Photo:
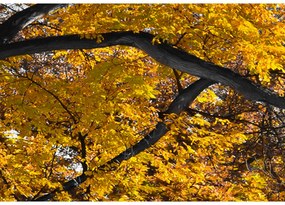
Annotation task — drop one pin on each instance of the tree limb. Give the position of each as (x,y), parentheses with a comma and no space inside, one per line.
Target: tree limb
(180,103)
(163,53)
(177,77)
(20,20)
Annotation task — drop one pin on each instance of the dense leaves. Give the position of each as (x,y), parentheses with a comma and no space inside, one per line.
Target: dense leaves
(104,102)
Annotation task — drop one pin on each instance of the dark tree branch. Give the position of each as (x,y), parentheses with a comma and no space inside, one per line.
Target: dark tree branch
(47,197)
(67,186)
(177,77)
(20,20)
(44,25)
(180,103)
(163,53)
(179,39)
(83,151)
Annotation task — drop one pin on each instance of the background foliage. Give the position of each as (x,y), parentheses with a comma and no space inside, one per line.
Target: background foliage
(62,111)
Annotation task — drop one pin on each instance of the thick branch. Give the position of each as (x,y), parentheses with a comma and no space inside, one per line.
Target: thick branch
(20,20)
(181,103)
(83,151)
(163,53)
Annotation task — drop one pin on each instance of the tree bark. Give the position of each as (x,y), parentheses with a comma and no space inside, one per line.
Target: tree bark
(20,20)
(163,53)
(180,103)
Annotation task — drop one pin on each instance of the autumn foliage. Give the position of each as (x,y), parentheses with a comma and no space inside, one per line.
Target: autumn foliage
(179,102)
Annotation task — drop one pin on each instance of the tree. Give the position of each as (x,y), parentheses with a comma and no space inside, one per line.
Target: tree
(142,102)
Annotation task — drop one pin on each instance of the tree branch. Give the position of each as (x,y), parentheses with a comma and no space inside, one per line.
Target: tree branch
(177,77)
(20,20)
(180,103)
(83,151)
(163,53)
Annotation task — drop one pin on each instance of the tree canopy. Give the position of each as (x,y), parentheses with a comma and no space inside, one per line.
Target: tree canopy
(142,102)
